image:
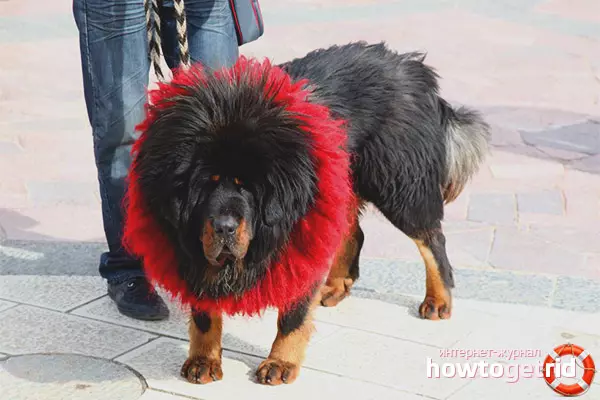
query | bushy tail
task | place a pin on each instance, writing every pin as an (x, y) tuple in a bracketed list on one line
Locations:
[(467, 145)]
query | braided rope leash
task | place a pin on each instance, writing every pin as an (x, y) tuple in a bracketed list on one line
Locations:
[(153, 30)]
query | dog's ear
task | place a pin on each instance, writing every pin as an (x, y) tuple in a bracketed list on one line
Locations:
[(273, 212)]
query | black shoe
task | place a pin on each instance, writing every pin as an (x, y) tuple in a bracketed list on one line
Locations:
[(136, 298)]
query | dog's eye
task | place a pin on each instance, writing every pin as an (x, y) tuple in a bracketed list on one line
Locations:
[(215, 178), (237, 181)]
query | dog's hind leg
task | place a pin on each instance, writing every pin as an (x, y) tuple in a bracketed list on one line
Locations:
[(344, 270), (439, 278), (423, 226)]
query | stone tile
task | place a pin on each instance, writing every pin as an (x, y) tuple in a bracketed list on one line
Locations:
[(105, 310), (160, 361), (494, 208), (470, 248), (48, 223), (582, 138), (588, 164), (63, 333), (68, 377), (584, 10), (392, 276), (247, 335), (383, 240), (156, 395), (507, 166), (60, 293), (532, 388), (400, 322), (560, 155), (514, 249), (508, 334), (501, 286), (65, 193), (345, 353), (577, 294), (576, 239), (8, 148), (5, 305), (530, 118), (543, 202), (50, 258), (255, 335)]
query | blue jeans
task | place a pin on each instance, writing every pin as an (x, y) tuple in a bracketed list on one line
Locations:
[(115, 63)]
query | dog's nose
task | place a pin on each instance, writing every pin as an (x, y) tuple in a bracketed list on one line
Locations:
[(225, 225)]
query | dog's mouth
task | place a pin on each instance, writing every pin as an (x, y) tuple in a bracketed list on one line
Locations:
[(225, 259)]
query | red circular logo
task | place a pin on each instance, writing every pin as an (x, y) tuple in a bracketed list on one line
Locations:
[(553, 372)]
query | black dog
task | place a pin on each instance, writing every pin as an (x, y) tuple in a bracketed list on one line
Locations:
[(226, 173)]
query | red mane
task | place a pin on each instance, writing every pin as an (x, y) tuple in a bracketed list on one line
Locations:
[(314, 239)]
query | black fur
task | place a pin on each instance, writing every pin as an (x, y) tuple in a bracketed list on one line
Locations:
[(398, 131), (202, 321), (295, 317)]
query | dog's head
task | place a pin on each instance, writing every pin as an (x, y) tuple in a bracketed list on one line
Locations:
[(226, 172)]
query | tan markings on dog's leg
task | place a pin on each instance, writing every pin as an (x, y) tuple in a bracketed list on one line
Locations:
[(437, 303), (204, 359), (289, 348), (340, 280)]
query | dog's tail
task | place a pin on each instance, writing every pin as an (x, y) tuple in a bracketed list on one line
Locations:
[(467, 144)]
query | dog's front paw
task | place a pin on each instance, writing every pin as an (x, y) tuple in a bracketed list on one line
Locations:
[(275, 372), (335, 290), (435, 308), (202, 370)]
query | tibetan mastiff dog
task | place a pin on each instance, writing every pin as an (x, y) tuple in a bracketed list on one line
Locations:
[(247, 185)]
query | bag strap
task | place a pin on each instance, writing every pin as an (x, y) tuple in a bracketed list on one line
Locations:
[(153, 31)]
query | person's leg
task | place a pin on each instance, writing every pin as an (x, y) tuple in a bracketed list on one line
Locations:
[(211, 33), (115, 66)]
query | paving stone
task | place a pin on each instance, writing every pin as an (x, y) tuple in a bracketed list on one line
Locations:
[(345, 353), (532, 388), (8, 148), (577, 294), (48, 223), (502, 286), (383, 240), (576, 239), (531, 170), (66, 193), (532, 119), (248, 335), (26, 329), (398, 321), (543, 202), (582, 138), (494, 208), (389, 277), (155, 395), (105, 310), (60, 293), (514, 249), (475, 243), (5, 305), (160, 361), (49, 258), (67, 377), (560, 155), (582, 322), (588, 164)]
